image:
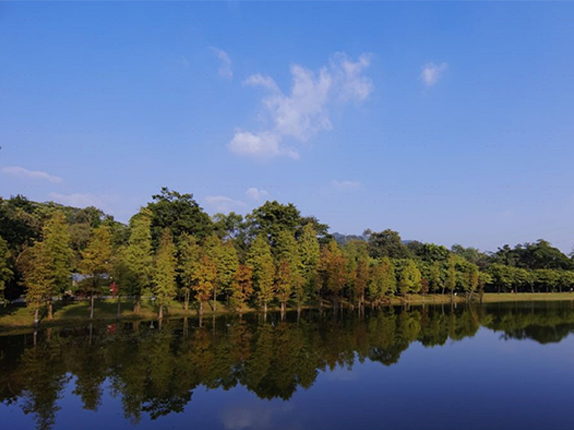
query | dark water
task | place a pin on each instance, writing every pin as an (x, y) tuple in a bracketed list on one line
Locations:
[(505, 366)]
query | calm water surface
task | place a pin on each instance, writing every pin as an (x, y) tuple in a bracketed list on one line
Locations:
[(504, 366)]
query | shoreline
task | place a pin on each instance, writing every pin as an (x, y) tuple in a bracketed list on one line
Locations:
[(14, 317)]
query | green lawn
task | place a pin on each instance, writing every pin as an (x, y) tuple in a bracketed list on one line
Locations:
[(19, 316)]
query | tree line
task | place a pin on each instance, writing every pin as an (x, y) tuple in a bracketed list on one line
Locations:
[(155, 372), (173, 251)]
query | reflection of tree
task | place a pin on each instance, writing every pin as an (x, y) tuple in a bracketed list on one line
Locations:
[(154, 371), (544, 323), (88, 362), (44, 378)]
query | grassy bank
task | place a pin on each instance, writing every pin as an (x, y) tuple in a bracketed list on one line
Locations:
[(19, 316)]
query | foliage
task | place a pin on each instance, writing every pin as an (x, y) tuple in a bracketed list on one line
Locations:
[(164, 276)]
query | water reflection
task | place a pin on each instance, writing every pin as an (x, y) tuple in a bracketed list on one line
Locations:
[(155, 371)]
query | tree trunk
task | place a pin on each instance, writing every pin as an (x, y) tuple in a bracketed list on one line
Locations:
[(186, 301), (50, 310), (92, 307), (160, 315), (265, 307), (36, 319), (498, 288), (214, 299), (200, 307), (138, 305)]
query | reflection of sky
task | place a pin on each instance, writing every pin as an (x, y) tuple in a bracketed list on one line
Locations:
[(256, 415)]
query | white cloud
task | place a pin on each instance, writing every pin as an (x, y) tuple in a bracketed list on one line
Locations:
[(223, 204), (255, 194), (346, 185), (225, 70), (305, 111), (431, 73), (21, 172), (264, 144)]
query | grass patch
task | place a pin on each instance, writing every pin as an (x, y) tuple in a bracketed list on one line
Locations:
[(20, 316)]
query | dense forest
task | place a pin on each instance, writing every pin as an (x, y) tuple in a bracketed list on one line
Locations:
[(155, 372), (172, 250)]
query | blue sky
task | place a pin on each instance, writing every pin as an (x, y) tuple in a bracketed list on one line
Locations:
[(449, 122)]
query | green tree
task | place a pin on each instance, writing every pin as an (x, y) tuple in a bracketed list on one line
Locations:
[(284, 283), (387, 243), (362, 278), (178, 212), (273, 217), (190, 254), (410, 279), (34, 264), (97, 262), (6, 272), (436, 283), (310, 253), (164, 277), (224, 256), (139, 258), (451, 276), (59, 256), (204, 279), (287, 250), (502, 276), (260, 260)]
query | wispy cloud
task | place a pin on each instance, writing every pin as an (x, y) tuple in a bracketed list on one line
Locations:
[(21, 172), (346, 185), (432, 73), (263, 145), (305, 111), (256, 194), (225, 69), (223, 203)]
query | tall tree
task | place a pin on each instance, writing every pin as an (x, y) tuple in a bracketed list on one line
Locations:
[(178, 212), (310, 253), (333, 270), (260, 260), (190, 254), (284, 283), (287, 250), (410, 279), (224, 256), (139, 258), (204, 279), (274, 217), (164, 277), (242, 287), (435, 282), (58, 254), (33, 262), (387, 243), (451, 276), (362, 278), (6, 272), (97, 261)]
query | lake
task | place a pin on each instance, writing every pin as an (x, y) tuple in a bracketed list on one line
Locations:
[(501, 366)]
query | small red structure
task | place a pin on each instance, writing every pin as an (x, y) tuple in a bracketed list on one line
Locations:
[(114, 289)]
